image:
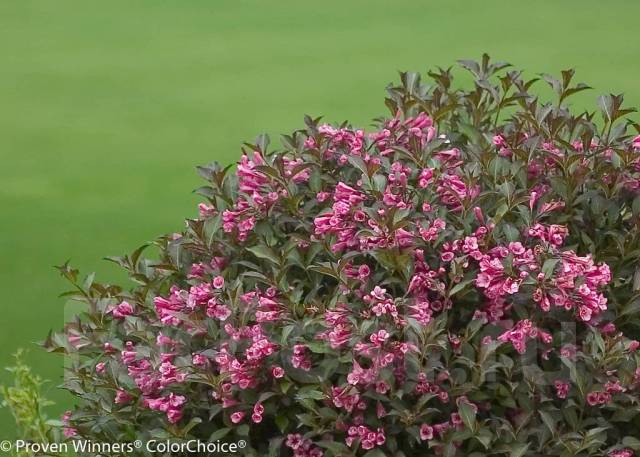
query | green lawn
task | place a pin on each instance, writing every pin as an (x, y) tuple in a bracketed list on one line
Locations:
[(106, 107)]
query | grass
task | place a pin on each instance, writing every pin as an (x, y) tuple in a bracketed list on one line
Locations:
[(106, 107)]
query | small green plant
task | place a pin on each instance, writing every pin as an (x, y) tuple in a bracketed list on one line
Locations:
[(27, 403)]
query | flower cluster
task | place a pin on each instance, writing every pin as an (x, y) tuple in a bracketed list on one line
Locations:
[(302, 447), (368, 438)]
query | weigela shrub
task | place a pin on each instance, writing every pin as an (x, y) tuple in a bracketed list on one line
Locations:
[(460, 280)]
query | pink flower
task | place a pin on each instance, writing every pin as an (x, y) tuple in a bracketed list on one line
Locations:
[(174, 415), (199, 360), (585, 313), (363, 272), (294, 441), (426, 432), (348, 194), (122, 397), (425, 178), (452, 191), (421, 312), (129, 355), (171, 404), (302, 447), (492, 277), (379, 338), (562, 389), (538, 231), (594, 398), (477, 211), (622, 452), (447, 256), (382, 387), (277, 372), (258, 411), (516, 248), (300, 358), (218, 282), (614, 387), (197, 270), (122, 310), (68, 431), (431, 232), (218, 311), (557, 234), (206, 210), (237, 416), (634, 345), (568, 351), (505, 152), (521, 332), (551, 206)]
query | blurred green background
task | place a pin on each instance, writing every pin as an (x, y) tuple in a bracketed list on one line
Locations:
[(106, 107)]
